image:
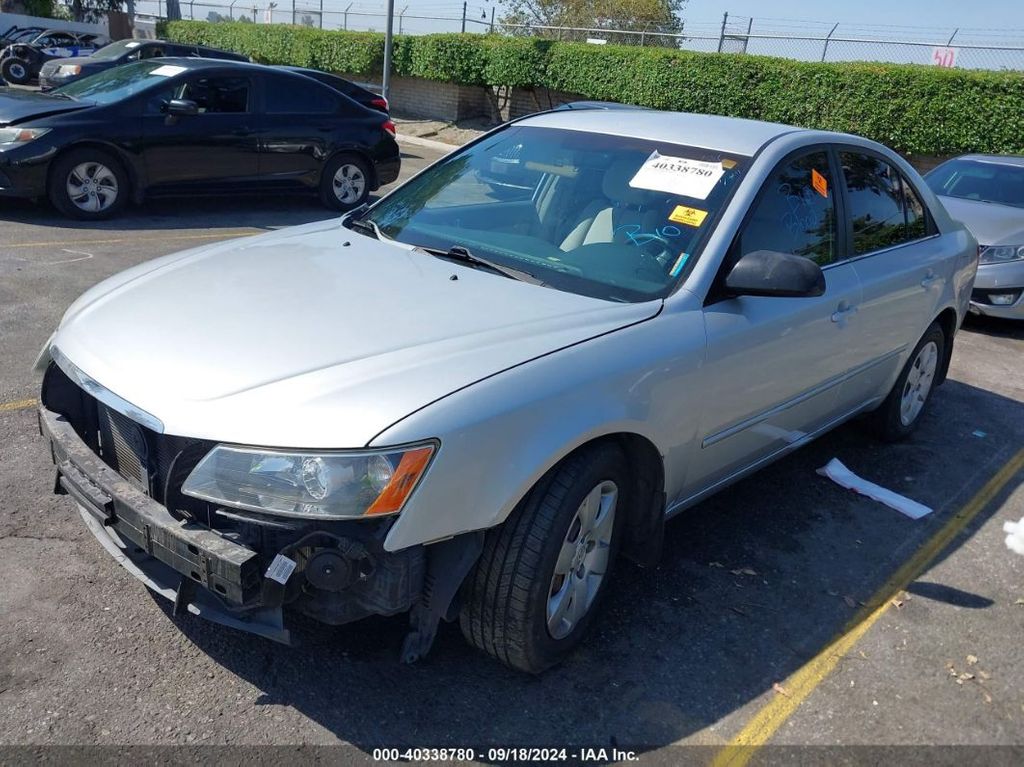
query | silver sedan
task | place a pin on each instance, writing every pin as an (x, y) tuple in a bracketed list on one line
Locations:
[(470, 399), (986, 193)]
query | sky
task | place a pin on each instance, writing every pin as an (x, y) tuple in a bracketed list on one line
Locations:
[(992, 14), (1001, 20)]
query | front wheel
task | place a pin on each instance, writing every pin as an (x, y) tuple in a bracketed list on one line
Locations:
[(542, 574), (345, 183), (16, 71), (901, 411), (88, 184)]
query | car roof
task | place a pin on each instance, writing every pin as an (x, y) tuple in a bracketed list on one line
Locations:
[(1015, 161), (727, 134), (193, 63)]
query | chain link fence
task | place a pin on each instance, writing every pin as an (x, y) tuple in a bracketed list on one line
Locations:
[(997, 49)]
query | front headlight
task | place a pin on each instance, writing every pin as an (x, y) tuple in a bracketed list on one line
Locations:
[(69, 69), (310, 484), (1000, 254), (20, 135)]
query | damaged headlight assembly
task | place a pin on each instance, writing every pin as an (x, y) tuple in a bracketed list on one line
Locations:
[(326, 485)]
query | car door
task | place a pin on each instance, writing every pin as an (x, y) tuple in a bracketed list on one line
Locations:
[(774, 365), (899, 261), (218, 146), (301, 122)]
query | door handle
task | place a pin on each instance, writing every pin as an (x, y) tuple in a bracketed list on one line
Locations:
[(843, 311), (930, 278)]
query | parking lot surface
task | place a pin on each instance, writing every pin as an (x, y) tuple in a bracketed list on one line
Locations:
[(785, 610)]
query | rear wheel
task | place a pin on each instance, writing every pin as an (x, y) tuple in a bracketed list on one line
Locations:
[(88, 184), (901, 411), (345, 183), (16, 71), (542, 575)]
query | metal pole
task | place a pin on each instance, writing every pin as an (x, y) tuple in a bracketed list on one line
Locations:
[(949, 42), (464, 16), (346, 16), (401, 19), (825, 49), (721, 36), (386, 79), (293, 11), (321, 14), (750, 28)]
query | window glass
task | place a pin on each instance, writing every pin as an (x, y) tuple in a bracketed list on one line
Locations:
[(917, 221), (293, 96), (876, 203), (978, 179), (614, 217), (795, 212), (217, 95)]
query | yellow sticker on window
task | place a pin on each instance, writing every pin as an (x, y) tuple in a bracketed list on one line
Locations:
[(689, 216), (728, 164)]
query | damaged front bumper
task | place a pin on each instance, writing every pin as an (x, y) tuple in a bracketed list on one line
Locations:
[(203, 572)]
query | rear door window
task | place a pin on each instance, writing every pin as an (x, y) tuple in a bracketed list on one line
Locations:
[(299, 95), (795, 212), (884, 210)]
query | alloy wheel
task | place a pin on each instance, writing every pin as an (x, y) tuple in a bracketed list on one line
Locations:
[(92, 187), (583, 560), (349, 184), (919, 383)]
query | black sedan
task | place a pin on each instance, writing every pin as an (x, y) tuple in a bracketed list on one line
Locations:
[(60, 72), (183, 126)]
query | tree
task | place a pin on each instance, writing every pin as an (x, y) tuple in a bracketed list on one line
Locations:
[(91, 10), (648, 16)]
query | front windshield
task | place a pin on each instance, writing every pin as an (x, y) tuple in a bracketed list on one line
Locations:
[(120, 82), (980, 180), (115, 50), (612, 217)]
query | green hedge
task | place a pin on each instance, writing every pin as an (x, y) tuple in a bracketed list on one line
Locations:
[(914, 109)]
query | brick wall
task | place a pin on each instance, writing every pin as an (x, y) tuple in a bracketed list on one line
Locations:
[(430, 99)]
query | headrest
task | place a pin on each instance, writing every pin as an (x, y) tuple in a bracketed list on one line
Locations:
[(615, 183)]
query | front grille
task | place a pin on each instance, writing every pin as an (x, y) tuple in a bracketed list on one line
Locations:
[(123, 447)]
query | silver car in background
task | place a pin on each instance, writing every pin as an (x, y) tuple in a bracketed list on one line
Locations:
[(465, 403), (986, 193)]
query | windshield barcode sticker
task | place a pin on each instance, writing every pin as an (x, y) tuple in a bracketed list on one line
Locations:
[(281, 569), (678, 175)]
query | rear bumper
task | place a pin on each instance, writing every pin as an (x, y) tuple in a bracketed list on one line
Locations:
[(192, 566)]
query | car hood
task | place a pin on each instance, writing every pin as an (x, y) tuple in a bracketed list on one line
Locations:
[(990, 223), (18, 106), (297, 339)]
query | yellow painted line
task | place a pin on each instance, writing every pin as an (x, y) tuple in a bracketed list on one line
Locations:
[(805, 680), (21, 404), (116, 240)]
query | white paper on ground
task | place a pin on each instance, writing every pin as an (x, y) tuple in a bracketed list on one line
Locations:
[(678, 175), (1015, 536), (838, 473)]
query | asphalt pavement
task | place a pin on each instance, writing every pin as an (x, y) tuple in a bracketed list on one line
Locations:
[(785, 610)]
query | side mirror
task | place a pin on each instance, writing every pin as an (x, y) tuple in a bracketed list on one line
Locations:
[(768, 273), (182, 108)]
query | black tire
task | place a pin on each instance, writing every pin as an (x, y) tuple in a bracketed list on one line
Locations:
[(505, 597), (61, 173), (888, 422), (331, 194), (16, 71)]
